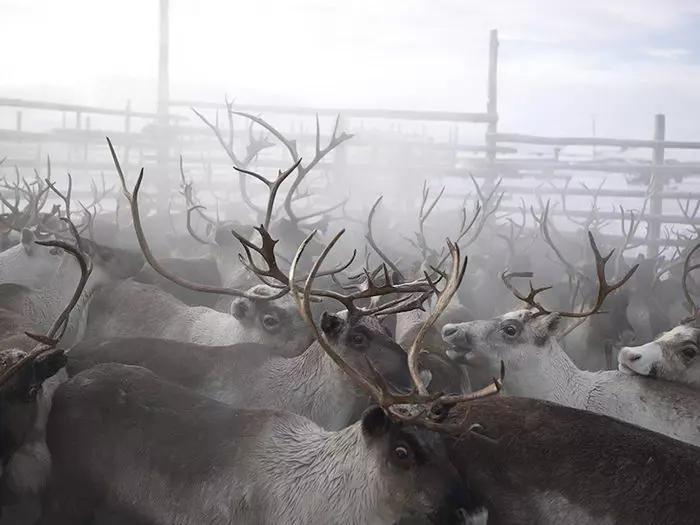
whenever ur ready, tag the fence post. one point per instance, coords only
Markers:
(19, 120)
(492, 110)
(340, 155)
(656, 186)
(127, 130)
(163, 128)
(86, 143)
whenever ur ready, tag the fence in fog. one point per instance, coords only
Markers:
(391, 153)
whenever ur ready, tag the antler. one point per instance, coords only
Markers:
(544, 230)
(380, 391)
(604, 288)
(273, 186)
(628, 234)
(54, 335)
(687, 268)
(132, 200)
(690, 217)
(370, 239)
(335, 141)
(255, 146)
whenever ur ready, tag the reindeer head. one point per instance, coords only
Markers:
(28, 263)
(277, 321)
(412, 457)
(673, 356)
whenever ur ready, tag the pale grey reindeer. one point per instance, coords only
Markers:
(28, 264)
(526, 341)
(255, 376)
(672, 355)
(42, 303)
(264, 306)
(130, 309)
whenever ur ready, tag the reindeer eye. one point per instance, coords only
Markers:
(510, 330)
(270, 322)
(689, 352)
(358, 340)
(401, 453)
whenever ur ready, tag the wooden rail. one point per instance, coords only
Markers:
(145, 138)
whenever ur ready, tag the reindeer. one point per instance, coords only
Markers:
(254, 376)
(587, 464)
(42, 303)
(526, 341)
(255, 466)
(26, 263)
(537, 462)
(388, 469)
(671, 355)
(122, 310)
(28, 377)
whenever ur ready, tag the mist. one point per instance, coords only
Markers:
(315, 262)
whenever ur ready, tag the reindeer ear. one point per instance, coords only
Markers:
(331, 324)
(27, 240)
(375, 422)
(46, 365)
(389, 324)
(240, 308)
(546, 326)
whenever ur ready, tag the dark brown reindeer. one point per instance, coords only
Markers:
(536, 462)
(27, 382)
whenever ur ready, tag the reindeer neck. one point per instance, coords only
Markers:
(52, 298)
(553, 377)
(337, 469)
(322, 390)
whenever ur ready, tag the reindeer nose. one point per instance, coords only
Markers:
(449, 330)
(630, 354)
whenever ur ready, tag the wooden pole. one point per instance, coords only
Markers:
(127, 130)
(492, 104)
(656, 186)
(163, 150)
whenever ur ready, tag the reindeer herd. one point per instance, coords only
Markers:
(254, 368)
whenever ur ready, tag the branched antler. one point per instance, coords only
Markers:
(57, 330)
(132, 200)
(604, 288)
(273, 187)
(379, 389)
(687, 269)
(373, 243)
(335, 141)
(543, 222)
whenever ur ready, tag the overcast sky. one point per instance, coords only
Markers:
(561, 60)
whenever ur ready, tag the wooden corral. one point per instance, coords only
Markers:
(388, 145)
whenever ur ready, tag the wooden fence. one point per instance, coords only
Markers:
(389, 147)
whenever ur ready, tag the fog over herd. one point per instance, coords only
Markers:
(275, 315)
